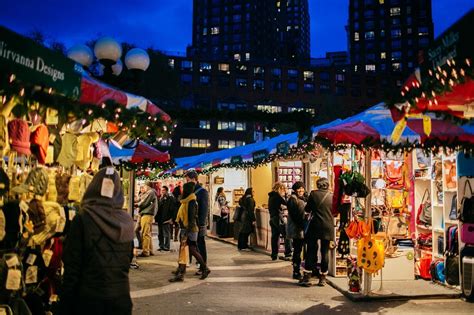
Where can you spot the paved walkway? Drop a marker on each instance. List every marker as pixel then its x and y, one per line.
pixel 250 283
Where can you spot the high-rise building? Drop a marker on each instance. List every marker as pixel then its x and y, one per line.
pixel 386 36
pixel 251 30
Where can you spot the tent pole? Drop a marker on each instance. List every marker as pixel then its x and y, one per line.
pixel 131 192
pixel 368 211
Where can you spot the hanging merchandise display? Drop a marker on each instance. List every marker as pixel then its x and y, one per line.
pixel 370 251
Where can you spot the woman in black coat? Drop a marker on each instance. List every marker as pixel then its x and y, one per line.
pixel 247 203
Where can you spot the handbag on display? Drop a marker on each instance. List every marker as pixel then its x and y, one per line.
pixel 397 226
pixel 450 174
pixel 466 214
pixel 370 252
pixel 424 210
pixel 394 173
pixel 467 233
pixel 437 171
pixel 395 198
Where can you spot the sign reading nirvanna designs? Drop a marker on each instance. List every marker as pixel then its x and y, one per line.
pixel 34 64
pixel 259 155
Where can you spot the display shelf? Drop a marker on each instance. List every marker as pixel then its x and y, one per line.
pixel 438 230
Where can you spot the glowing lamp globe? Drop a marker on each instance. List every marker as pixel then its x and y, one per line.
pixel 137 59
pixel 81 54
pixel 107 48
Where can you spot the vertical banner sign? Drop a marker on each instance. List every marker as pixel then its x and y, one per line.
pixel 259 155
pixel 34 64
pixel 283 148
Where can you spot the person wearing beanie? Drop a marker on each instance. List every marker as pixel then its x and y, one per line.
pixel 295 231
pixel 98 251
pixel 278 220
pixel 320 228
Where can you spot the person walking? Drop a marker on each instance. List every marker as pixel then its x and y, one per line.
pixel 202 196
pixel 247 203
pixel 166 206
pixel 98 251
pixel 148 206
pixel 175 226
pixel 138 228
pixel 221 204
pixel 296 215
pixel 321 227
pixel 187 218
pixel 278 219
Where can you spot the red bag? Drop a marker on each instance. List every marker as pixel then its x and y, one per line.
pixel 425 263
pixel 394 174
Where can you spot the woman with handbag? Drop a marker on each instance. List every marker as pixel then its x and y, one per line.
pixel 295 231
pixel 247 219
pixel 187 219
pixel 223 211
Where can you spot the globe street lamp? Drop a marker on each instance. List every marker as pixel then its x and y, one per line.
pixel 137 61
pixel 108 51
pixel 81 54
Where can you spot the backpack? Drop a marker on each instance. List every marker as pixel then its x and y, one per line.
pixel 452 241
pixel 453 214
pixel 452 270
pixel 467 205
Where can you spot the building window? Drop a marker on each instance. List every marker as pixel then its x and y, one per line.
pixel 247 56
pixel 205 80
pixel 340 77
pixel 204 31
pixel 205 67
pixel 383 55
pixel 324 76
pixel 204 124
pixel 186 65
pixel 369 35
pixel 186 78
pixel 301 109
pixel 340 90
pixel 276 72
pixel 397 66
pixel 356 36
pixel 292 73
pixel 356 68
pixel 236 18
pixel 395 11
pixel 308 87
pixel 395 21
pixel 409 21
pixel 308 76
pixel 396 44
pixel 423 30
pixel 195 143
pixel 224 67
pixel 258 85
pixel 370 68
pixel 396 33
pixel 166 142
pixel 369 14
pixel 229 144
pixel 224 81
pixel 230 106
pixel 276 85
pixel 231 125
pixel 424 41
pixel 241 82
pixel 324 88
pixel 396 55
pixel 258 70
pixel 369 25
pixel 171 63
pixel 292 86
pixel 215 30
pixel 237 57
pixel 370 57
pixel 410 65
pixel 269 108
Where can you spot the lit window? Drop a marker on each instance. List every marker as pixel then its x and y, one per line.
pixel 231 125
pixel 423 30
pixel 301 109
pixel 247 56
pixel 340 77
pixel 241 82
pixel 269 108
pixel 397 66
pixel 204 66
pixel 356 68
pixel 166 142
pixel 370 35
pixel 383 55
pixel 224 67
pixel 258 70
pixel 229 144
pixel 204 31
pixel 381 1
pixel 171 63
pixel 215 30
pixel 258 85
pixel 292 73
pixel 394 11
pixel 356 36
pixel 204 124
pixel 186 65
pixel 186 142
pixel 396 55
pixel 370 68
pixel 308 76
pixel 276 72
pixel 396 33
pixel 237 57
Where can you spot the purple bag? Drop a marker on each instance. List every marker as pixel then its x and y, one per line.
pixel 467 233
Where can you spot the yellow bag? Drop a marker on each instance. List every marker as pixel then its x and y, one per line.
pixel 183 258
pixel 395 198
pixel 370 252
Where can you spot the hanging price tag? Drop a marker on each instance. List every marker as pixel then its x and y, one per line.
pixel 60 224
pixel 51 116
pixel 398 130
pixel 47 255
pixel 31 259
pixel 72 214
pixel 13 279
pixel 31 275
pixel 427 125
pixel 12 261
pixel 107 189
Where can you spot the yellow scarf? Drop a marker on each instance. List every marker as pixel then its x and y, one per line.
pixel 182 215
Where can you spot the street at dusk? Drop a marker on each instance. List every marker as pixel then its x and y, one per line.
pixel 237 156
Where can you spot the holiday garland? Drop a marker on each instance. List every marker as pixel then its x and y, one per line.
pixel 434 82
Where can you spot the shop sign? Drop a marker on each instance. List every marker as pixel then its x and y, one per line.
pixel 218 180
pixel 259 155
pixel 454 43
pixel 236 159
pixel 283 147
pixel 35 64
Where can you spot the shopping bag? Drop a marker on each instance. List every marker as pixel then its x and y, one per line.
pixel 370 252
pixel 183 258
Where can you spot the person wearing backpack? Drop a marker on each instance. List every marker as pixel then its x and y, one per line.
pixel 321 227
pixel 247 219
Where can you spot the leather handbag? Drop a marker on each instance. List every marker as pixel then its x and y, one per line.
pixel 467 205
pixel 424 210
pixel 394 173
pixel 397 226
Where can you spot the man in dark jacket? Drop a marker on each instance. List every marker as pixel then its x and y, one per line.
pixel 148 205
pixel 320 228
pixel 98 251
pixel 164 218
pixel 203 211
pixel 296 214
pixel 278 219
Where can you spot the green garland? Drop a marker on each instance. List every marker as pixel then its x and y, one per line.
pixel 436 82
pixel 137 124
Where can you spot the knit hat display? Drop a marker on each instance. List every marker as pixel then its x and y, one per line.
pixel 84 154
pixel 55 223
pixel 4 144
pixel 62 187
pixel 68 153
pixel 297 186
pixel 4 182
pixel 19 134
pixel 37 215
pixel 39 143
pixel 36 182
